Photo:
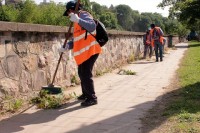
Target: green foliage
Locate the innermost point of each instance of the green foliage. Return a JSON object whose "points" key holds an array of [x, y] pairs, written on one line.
{"points": [[28, 12], [75, 80], [10, 104], [186, 117], [51, 14], [17, 104], [72, 95], [142, 23], [124, 16], [131, 58], [97, 9], [47, 101], [187, 11], [109, 20], [126, 72], [173, 27], [99, 73], [185, 107], [182, 31], [120, 17], [86, 5], [8, 13]]}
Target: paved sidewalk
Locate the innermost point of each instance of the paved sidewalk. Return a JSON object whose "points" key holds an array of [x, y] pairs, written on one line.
{"points": [[122, 101]]}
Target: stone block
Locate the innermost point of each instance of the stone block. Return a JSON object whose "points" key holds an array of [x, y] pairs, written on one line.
{"points": [[12, 65], [38, 80]]}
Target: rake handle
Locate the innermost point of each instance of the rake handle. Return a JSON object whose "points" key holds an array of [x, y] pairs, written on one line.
{"points": [[67, 37]]}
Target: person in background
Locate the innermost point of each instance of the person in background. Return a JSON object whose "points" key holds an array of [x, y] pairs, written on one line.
{"points": [[157, 40], [85, 50], [147, 44], [163, 45]]}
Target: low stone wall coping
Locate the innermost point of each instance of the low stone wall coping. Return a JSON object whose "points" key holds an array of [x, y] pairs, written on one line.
{"points": [[26, 27], [119, 32]]}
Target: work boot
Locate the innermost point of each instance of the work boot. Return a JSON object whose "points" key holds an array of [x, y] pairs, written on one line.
{"points": [[82, 97], [89, 102]]}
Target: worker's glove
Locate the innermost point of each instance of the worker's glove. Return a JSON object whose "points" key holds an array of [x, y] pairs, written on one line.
{"points": [[62, 50], [74, 17], [70, 44]]}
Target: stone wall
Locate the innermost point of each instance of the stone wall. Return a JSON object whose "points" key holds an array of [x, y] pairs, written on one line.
{"points": [[29, 55]]}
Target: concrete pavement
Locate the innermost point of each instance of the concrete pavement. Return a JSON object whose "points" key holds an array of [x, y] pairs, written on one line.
{"points": [[122, 102]]}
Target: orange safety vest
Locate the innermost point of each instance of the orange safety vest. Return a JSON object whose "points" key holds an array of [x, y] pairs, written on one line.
{"points": [[161, 38], [148, 39], [152, 41], [83, 48]]}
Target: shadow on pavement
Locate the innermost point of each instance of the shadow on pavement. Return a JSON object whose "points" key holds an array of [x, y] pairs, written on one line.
{"points": [[182, 46], [163, 110], [129, 122], [13, 124], [194, 45]]}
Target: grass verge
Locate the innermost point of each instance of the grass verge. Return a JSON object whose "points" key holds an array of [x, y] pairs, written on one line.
{"points": [[184, 110], [179, 110]]}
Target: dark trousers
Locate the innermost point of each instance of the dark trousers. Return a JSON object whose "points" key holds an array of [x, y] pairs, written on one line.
{"points": [[147, 49], [158, 46], [85, 75]]}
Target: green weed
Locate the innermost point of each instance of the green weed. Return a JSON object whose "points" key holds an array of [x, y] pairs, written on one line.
{"points": [[131, 58], [10, 104], [47, 101], [17, 104], [126, 72], [75, 80]]}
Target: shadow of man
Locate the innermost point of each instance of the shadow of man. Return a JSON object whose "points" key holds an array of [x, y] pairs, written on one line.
{"points": [[16, 123]]}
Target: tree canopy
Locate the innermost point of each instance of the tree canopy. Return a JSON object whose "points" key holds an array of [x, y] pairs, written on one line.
{"points": [[186, 11], [120, 17]]}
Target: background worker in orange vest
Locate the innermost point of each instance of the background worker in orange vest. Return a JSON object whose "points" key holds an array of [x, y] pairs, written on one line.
{"points": [[157, 40], [85, 50], [163, 45], [147, 44]]}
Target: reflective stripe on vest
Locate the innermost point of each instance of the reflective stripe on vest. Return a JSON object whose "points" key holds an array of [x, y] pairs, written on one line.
{"points": [[84, 48], [83, 36], [160, 38]]}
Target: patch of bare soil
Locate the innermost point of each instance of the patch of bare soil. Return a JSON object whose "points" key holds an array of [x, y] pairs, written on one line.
{"points": [[154, 121]]}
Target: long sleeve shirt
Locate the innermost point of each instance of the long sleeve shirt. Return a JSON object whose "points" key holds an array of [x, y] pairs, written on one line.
{"points": [[86, 21], [147, 39], [157, 33]]}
